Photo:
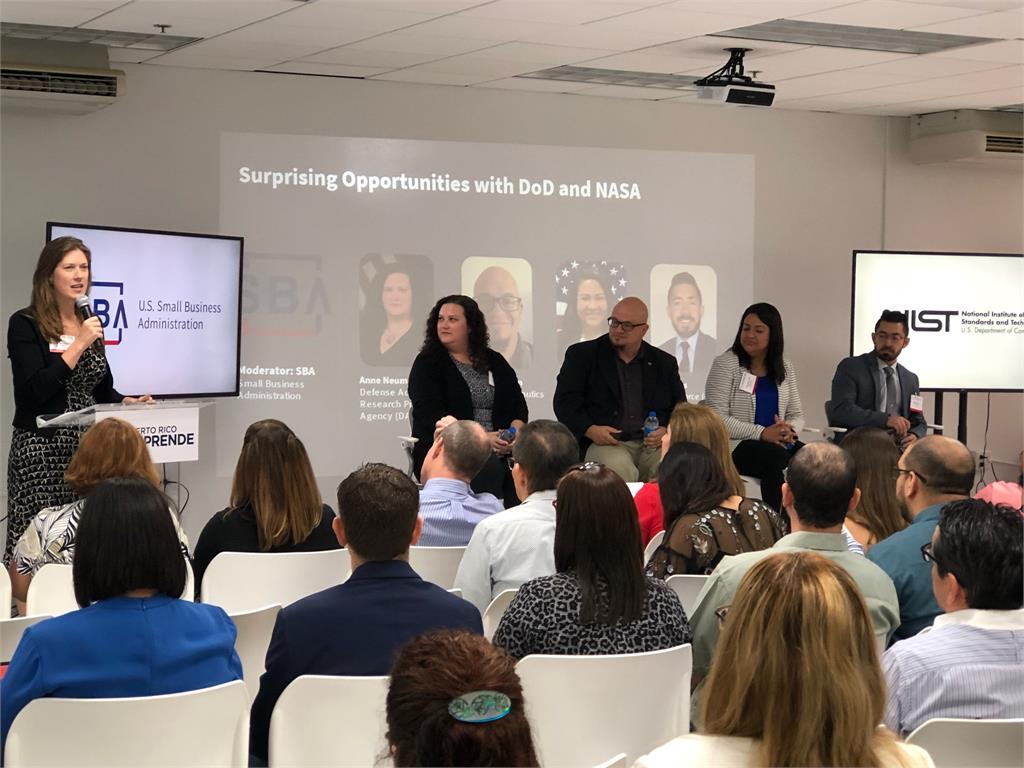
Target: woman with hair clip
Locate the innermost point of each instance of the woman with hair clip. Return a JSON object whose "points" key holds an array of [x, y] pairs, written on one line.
{"points": [[457, 375], [599, 600], [705, 519], [454, 699], [753, 388], [58, 365], [691, 424], [275, 502], [133, 636], [795, 678], [878, 514]]}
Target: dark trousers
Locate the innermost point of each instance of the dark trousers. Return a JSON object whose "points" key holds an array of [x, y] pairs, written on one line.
{"points": [[496, 478], [765, 461]]}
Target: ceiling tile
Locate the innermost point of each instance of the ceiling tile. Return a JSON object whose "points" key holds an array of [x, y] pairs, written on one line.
{"points": [[336, 70], [642, 61], [834, 82], [607, 36], [927, 66], [381, 16], [60, 13], [978, 5], [363, 57], [626, 92], [194, 19], [460, 25], [1006, 24], [1003, 52], [535, 84], [414, 41], [567, 12], [415, 75], [814, 61], [887, 14], [243, 63], [533, 53], [677, 21], [768, 11], [130, 55]]}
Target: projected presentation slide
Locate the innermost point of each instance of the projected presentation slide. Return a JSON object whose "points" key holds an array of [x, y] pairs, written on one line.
{"points": [[169, 304], [350, 241], [965, 311]]}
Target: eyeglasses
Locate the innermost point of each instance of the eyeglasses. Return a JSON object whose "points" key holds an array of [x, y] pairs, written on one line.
{"points": [[506, 301], [510, 461], [899, 471], [628, 327], [894, 337], [926, 553], [721, 612]]}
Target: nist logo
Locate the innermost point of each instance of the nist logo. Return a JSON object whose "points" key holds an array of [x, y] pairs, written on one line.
{"points": [[109, 308], [930, 320]]}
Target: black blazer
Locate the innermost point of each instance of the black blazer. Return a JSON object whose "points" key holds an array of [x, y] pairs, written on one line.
{"points": [[41, 376], [437, 389], [855, 396], [588, 390]]}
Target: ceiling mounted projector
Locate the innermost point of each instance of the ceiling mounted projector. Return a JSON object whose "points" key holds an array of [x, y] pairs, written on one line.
{"points": [[730, 85]]}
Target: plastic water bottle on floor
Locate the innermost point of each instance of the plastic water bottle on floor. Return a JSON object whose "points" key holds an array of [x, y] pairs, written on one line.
{"points": [[509, 435], [651, 423]]}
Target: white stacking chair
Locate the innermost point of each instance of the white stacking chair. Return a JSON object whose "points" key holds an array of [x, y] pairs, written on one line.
{"points": [[653, 545], [687, 586], [634, 488], [208, 728], [455, 591], [584, 708], [618, 761], [5, 593], [245, 581], [254, 631], [189, 593], [51, 592], [11, 631], [956, 743], [322, 720], [438, 565], [496, 609], [752, 485]]}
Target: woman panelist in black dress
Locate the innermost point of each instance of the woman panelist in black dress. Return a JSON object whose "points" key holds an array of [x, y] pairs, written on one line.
{"points": [[59, 365], [456, 374]]}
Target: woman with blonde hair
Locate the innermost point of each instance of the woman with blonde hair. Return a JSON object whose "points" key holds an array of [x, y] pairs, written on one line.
{"points": [[878, 514], [110, 448], [275, 502], [795, 678]]}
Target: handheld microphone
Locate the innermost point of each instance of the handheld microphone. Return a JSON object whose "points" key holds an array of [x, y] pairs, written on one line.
{"points": [[83, 307]]}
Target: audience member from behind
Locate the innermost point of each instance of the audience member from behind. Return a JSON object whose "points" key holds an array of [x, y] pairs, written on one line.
{"points": [[357, 627], [509, 549], [931, 473], [110, 448], [705, 519], [133, 636], [968, 664], [692, 424], [795, 679], [820, 489], [454, 699], [878, 516], [275, 502], [448, 506], [599, 601]]}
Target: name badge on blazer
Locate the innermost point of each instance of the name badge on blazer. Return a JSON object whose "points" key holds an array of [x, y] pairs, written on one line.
{"points": [[916, 404], [748, 382], [490, 378], [62, 344]]}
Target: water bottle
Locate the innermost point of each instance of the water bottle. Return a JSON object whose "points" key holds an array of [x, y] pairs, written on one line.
{"points": [[651, 423], [508, 435]]}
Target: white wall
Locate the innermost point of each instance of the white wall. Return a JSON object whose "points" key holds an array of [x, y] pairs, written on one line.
{"points": [[825, 185]]}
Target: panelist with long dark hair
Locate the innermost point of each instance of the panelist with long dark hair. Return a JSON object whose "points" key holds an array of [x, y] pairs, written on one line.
{"points": [[456, 374], [58, 365]]}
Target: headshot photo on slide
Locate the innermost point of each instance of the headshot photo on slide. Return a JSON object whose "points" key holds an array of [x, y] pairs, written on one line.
{"points": [[503, 289], [396, 292], [585, 293], [684, 320]]}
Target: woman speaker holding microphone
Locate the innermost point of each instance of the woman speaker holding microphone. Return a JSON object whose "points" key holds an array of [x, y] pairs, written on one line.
{"points": [[58, 364]]}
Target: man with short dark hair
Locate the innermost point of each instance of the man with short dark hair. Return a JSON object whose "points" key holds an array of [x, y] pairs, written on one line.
{"points": [[820, 489], [873, 390], [693, 349], [357, 627], [933, 472], [968, 664], [509, 549], [449, 508]]}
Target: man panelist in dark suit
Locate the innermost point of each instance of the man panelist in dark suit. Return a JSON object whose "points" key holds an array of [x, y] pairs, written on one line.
{"points": [[608, 386], [874, 390], [693, 349], [357, 627]]}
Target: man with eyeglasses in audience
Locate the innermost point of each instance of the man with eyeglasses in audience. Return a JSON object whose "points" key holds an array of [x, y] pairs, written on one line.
{"points": [[933, 472], [968, 664], [608, 386], [497, 294], [873, 390]]}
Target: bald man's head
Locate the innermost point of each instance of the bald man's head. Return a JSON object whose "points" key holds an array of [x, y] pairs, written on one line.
{"points": [[944, 466], [497, 293], [631, 314]]}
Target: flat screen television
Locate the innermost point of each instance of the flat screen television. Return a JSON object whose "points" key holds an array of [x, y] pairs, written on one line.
{"points": [[170, 304]]}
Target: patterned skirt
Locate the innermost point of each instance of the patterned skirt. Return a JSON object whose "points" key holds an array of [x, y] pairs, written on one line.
{"points": [[35, 477]]}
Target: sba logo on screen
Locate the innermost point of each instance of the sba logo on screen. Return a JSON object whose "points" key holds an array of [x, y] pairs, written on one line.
{"points": [[109, 308]]}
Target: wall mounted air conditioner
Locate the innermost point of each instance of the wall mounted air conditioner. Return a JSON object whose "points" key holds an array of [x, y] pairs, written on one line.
{"points": [[59, 90], [968, 136]]}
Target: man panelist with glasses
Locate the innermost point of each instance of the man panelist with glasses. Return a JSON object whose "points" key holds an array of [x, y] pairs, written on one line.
{"points": [[497, 294], [607, 387], [873, 390]]}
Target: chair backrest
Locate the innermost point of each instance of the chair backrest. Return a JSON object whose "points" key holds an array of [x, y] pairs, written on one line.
{"points": [[584, 708], [208, 727], [189, 593], [254, 631], [687, 586], [634, 488], [653, 545], [954, 743], [245, 581], [496, 609], [618, 761], [51, 592], [329, 720], [5, 592], [10, 634], [438, 565], [752, 487]]}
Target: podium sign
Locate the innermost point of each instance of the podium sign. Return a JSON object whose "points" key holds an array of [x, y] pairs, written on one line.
{"points": [[172, 434]]}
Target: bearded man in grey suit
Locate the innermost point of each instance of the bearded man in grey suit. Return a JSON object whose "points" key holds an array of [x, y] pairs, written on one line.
{"points": [[693, 349]]}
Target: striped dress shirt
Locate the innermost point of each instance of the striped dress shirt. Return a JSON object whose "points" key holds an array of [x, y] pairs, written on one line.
{"points": [[969, 664], [450, 511]]}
